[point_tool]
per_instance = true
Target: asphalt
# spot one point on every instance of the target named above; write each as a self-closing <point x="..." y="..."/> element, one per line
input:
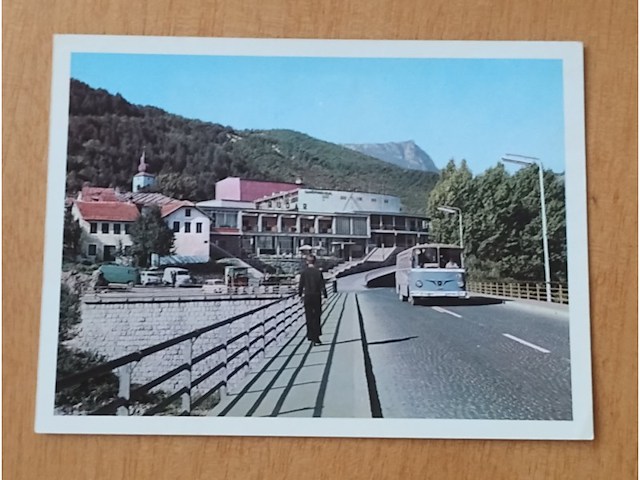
<point x="475" y="359"/>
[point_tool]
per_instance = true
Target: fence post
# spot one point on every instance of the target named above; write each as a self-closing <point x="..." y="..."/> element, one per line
<point x="519" y="294"/>
<point x="511" y="290"/>
<point x="188" y="360"/>
<point x="124" y="387"/>
<point x="225" y="366"/>
<point x="538" y="291"/>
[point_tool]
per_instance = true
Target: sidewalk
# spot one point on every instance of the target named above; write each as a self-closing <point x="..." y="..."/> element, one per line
<point x="299" y="380"/>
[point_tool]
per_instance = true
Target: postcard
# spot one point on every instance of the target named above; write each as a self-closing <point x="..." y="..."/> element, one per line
<point x="329" y="238"/>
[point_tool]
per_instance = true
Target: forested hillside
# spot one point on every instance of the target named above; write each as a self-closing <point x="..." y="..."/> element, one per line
<point x="107" y="135"/>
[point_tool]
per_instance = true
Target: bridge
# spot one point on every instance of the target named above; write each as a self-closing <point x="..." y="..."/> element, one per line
<point x="483" y="358"/>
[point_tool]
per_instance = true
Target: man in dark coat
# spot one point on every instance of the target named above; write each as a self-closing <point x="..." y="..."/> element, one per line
<point x="311" y="288"/>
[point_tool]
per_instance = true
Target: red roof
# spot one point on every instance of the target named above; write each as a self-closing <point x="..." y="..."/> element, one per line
<point x="169" y="208"/>
<point x="108" y="211"/>
<point x="251" y="190"/>
<point x="98" y="194"/>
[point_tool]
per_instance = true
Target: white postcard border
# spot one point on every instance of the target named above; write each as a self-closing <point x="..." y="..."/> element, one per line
<point x="571" y="53"/>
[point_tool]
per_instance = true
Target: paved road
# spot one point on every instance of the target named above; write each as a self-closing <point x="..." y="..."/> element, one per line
<point x="476" y="359"/>
<point x="467" y="360"/>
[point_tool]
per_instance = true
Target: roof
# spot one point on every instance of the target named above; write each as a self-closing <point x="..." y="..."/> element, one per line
<point x="108" y="211"/>
<point x="169" y="208"/>
<point x="98" y="194"/>
<point x="141" y="198"/>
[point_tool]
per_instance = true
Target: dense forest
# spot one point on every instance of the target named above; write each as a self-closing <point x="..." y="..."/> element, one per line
<point x="107" y="135"/>
<point x="502" y="227"/>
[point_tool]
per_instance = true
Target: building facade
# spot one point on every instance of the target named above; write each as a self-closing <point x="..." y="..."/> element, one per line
<point x="106" y="217"/>
<point x="328" y="222"/>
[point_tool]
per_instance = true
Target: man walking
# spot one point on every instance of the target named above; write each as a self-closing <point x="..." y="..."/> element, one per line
<point x="311" y="288"/>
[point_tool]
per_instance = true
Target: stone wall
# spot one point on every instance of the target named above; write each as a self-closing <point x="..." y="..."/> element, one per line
<point x="117" y="328"/>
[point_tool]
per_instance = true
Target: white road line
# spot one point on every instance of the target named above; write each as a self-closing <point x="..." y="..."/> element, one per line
<point x="442" y="310"/>
<point x="524" y="342"/>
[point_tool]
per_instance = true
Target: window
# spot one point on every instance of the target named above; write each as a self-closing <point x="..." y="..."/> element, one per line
<point x="198" y="227"/>
<point x="359" y="198"/>
<point x="187" y="227"/>
<point x="386" y="201"/>
<point x="359" y="226"/>
<point x="304" y="206"/>
<point x="343" y="197"/>
<point x="127" y="228"/>
<point x="92" y="249"/>
<point x="176" y="227"/>
<point x="374" y="199"/>
<point x="94" y="227"/>
<point x="105" y="228"/>
<point x="187" y="212"/>
<point x="116" y="228"/>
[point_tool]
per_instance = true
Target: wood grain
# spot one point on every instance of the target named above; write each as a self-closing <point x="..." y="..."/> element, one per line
<point x="608" y="30"/>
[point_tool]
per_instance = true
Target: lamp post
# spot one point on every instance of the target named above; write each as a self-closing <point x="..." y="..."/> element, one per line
<point x="447" y="209"/>
<point x="526" y="161"/>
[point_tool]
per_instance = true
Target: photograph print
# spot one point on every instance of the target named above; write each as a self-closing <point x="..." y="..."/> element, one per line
<point x="316" y="238"/>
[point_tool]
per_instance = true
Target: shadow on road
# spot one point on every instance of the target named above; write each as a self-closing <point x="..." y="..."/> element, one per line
<point x="458" y="302"/>
<point x="394" y="340"/>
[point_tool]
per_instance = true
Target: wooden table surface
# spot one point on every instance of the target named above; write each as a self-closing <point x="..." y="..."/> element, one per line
<point x="609" y="32"/>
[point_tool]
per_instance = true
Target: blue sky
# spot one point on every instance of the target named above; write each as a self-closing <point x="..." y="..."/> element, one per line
<point x="476" y="109"/>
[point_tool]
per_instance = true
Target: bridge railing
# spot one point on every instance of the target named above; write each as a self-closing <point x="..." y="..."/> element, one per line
<point x="261" y="327"/>
<point x="523" y="290"/>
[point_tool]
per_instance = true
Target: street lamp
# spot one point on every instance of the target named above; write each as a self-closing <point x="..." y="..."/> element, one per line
<point x="448" y="209"/>
<point x="526" y="161"/>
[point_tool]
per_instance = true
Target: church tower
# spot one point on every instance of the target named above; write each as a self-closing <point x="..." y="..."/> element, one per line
<point x="142" y="179"/>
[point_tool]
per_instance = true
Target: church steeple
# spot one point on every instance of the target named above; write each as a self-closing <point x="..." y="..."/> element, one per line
<point x="142" y="179"/>
<point x="142" y="167"/>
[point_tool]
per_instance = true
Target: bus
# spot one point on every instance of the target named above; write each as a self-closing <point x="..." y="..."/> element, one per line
<point x="430" y="270"/>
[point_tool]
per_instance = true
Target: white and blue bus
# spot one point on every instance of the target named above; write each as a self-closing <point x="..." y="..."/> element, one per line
<point x="430" y="271"/>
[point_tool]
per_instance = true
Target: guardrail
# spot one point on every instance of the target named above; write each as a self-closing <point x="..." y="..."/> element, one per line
<point x="526" y="291"/>
<point x="274" y="326"/>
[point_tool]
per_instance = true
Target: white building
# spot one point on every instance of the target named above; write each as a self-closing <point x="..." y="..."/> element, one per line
<point x="106" y="216"/>
<point x="191" y="230"/>
<point x="330" y="201"/>
<point x="105" y="228"/>
<point x="340" y="223"/>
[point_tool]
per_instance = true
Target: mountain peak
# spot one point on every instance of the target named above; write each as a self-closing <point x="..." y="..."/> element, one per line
<point x="406" y="154"/>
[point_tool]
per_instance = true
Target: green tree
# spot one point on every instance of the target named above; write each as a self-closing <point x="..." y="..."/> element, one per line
<point x="453" y="189"/>
<point x="72" y="234"/>
<point x="150" y="234"/>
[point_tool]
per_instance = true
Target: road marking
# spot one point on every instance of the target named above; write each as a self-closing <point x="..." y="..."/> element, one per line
<point x="442" y="310"/>
<point x="524" y="342"/>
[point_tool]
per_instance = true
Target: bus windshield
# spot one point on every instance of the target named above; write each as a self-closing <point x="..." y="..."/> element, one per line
<point x="450" y="258"/>
<point x="425" y="258"/>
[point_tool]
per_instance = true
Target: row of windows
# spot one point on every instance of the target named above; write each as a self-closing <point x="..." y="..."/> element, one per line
<point x="344" y="197"/>
<point x="104" y="228"/>
<point x="187" y="227"/>
<point x="117" y="227"/>
<point x="109" y="250"/>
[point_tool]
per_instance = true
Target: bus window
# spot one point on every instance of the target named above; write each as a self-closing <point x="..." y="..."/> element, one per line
<point x="450" y="258"/>
<point x="427" y="258"/>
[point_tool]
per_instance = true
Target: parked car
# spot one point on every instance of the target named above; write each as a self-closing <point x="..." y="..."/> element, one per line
<point x="151" y="277"/>
<point x="179" y="277"/>
<point x="214" y="286"/>
<point x="112" y="273"/>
